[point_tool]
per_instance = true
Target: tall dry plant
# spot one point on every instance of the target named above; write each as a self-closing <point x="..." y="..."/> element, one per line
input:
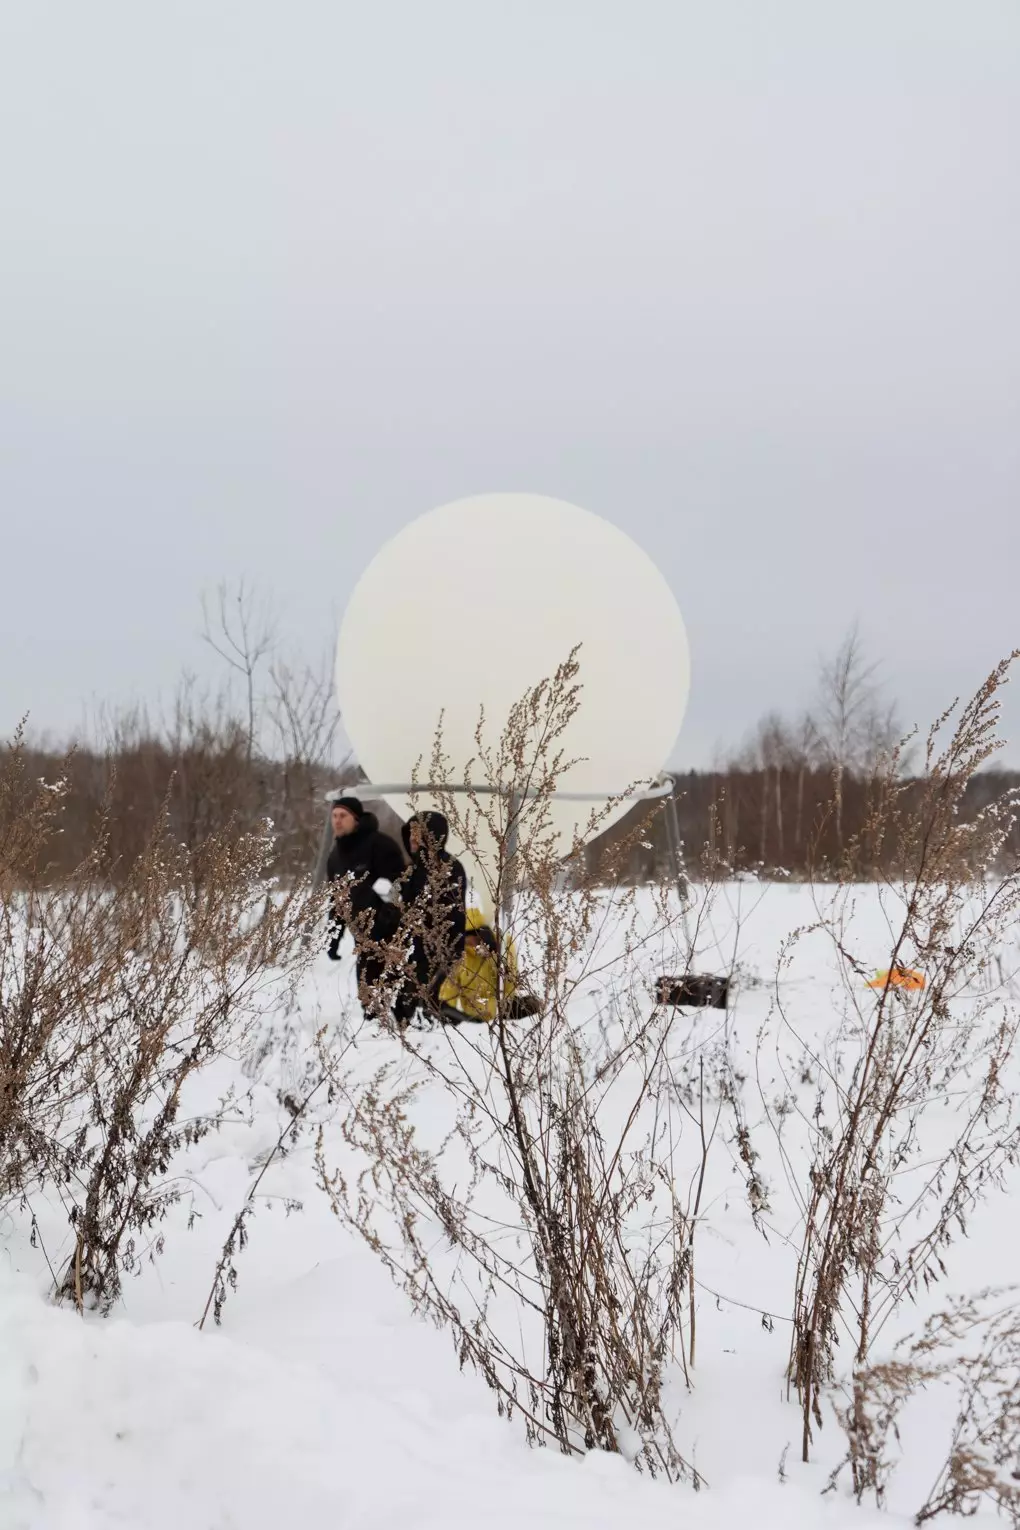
<point x="542" y="1223"/>
<point x="119" y="983"/>
<point x="242" y="635"/>
<point x="972" y="1348"/>
<point x="878" y="1209"/>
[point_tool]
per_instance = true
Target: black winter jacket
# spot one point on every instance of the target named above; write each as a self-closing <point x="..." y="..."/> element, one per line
<point x="366" y="856"/>
<point x="433" y="893"/>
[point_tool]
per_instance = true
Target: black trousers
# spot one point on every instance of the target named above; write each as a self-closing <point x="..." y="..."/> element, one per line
<point x="376" y="977"/>
<point x="421" y="985"/>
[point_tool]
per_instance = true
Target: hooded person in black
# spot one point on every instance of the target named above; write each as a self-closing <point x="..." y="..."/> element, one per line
<point x="361" y="856"/>
<point x="433" y="897"/>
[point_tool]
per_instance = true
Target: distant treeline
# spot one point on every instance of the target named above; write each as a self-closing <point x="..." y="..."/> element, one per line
<point x="801" y="796"/>
<point x="779" y="821"/>
<point x="794" y="822"/>
<point x="205" y="782"/>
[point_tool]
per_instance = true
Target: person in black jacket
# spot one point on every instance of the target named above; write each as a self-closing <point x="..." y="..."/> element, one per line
<point x="361" y="856"/>
<point x="433" y="898"/>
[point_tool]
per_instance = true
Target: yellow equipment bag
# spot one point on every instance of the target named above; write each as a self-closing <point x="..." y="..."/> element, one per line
<point x="471" y="987"/>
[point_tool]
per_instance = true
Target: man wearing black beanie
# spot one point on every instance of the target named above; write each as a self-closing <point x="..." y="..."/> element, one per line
<point x="361" y="856"/>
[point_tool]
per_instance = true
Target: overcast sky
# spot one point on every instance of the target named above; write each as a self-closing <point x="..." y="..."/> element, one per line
<point x="742" y="277"/>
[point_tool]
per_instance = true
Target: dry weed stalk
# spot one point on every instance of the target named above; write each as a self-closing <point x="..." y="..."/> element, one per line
<point x="877" y="1217"/>
<point x="974" y="1348"/>
<point x="541" y="1225"/>
<point x="225" y="1275"/>
<point x="118" y="985"/>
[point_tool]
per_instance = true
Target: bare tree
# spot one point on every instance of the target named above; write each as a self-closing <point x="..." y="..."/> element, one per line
<point x="244" y="633"/>
<point x="847" y="734"/>
<point x="302" y="711"/>
<point x="781" y="753"/>
<point x="855" y="728"/>
<point x="805" y="745"/>
<point x="303" y="736"/>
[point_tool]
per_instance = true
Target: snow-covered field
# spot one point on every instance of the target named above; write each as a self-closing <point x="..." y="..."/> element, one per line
<point x="321" y="1401"/>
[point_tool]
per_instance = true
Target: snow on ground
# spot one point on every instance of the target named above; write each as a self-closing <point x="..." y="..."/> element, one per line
<point x="321" y="1401"/>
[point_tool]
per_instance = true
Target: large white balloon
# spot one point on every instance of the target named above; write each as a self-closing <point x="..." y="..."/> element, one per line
<point x="473" y="604"/>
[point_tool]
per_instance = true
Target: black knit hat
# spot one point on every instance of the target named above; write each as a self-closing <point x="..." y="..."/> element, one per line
<point x="352" y="804"/>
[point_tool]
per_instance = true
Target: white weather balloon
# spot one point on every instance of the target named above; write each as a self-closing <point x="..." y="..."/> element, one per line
<point x="478" y="601"/>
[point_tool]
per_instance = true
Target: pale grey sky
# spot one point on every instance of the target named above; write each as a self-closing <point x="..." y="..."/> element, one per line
<point x="742" y="277"/>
